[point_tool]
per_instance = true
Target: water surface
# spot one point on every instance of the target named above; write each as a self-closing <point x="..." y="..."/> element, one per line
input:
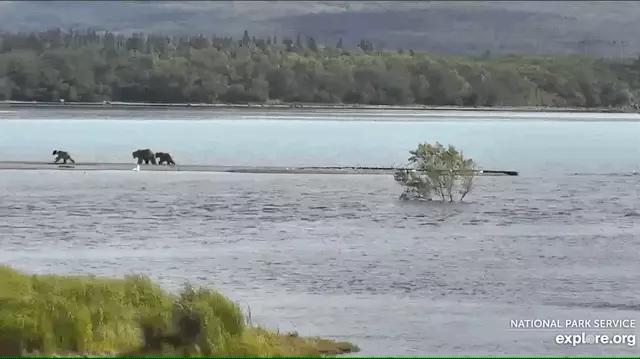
<point x="340" y="256"/>
<point x="547" y="143"/>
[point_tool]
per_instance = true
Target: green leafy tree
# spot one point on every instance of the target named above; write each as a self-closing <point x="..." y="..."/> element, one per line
<point x="435" y="170"/>
<point x="246" y="40"/>
<point x="311" y="44"/>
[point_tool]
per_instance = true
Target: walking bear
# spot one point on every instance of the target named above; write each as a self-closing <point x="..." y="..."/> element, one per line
<point x="145" y="156"/>
<point x="164" y="157"/>
<point x="62" y="155"/>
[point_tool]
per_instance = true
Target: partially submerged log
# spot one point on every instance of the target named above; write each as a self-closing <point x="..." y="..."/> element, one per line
<point x="356" y="168"/>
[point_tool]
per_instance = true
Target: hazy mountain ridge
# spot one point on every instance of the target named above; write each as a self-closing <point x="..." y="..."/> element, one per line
<point x="597" y="28"/>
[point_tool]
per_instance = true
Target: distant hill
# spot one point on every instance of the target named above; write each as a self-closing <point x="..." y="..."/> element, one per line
<point x="597" y="28"/>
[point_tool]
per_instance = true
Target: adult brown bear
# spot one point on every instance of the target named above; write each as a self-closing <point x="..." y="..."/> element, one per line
<point x="164" y="157"/>
<point x="145" y="155"/>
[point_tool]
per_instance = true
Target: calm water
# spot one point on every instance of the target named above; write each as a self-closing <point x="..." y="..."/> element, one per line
<point x="301" y="138"/>
<point x="337" y="255"/>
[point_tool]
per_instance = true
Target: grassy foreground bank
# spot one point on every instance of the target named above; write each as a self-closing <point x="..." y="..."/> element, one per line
<point x="86" y="315"/>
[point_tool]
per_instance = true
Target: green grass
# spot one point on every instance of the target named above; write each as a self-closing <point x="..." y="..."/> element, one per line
<point x="87" y="315"/>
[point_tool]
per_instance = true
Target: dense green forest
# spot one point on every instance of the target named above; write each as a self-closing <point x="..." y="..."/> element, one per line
<point x="91" y="66"/>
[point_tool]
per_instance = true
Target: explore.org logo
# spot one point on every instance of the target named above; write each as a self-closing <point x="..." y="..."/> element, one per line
<point x="585" y="336"/>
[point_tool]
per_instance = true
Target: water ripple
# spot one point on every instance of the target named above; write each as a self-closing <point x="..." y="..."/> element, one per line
<point x="522" y="242"/>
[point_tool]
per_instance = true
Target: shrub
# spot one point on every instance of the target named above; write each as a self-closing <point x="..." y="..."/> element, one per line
<point x="436" y="170"/>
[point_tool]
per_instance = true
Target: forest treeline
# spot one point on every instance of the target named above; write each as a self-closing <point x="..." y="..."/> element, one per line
<point x="100" y="66"/>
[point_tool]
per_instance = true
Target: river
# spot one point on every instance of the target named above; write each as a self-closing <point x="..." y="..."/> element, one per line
<point x="339" y="255"/>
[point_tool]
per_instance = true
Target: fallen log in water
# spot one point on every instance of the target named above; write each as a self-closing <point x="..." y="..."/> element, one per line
<point x="355" y="168"/>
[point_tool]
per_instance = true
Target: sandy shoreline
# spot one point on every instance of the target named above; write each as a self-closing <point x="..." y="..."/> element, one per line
<point x="183" y="106"/>
<point x="93" y="166"/>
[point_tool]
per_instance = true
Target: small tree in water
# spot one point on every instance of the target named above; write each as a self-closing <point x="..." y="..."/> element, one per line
<point x="436" y="170"/>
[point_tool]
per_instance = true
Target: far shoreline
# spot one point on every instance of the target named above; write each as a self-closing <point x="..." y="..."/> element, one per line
<point x="297" y="106"/>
